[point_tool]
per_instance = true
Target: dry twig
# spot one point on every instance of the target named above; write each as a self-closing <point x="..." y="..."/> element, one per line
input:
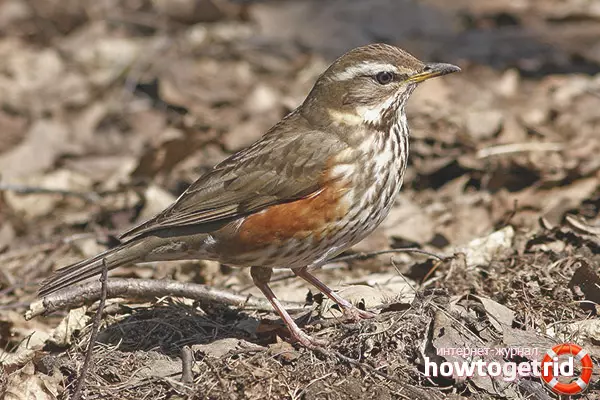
<point x="518" y="148"/>
<point x="94" y="332"/>
<point x="147" y="289"/>
<point x="22" y="189"/>
<point x="186" y="365"/>
<point x="364" y="256"/>
<point x="581" y="225"/>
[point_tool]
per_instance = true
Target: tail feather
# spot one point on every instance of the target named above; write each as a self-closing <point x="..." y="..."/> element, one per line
<point x="85" y="269"/>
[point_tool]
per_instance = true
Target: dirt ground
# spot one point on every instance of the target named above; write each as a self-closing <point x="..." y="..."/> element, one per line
<point x="109" y="109"/>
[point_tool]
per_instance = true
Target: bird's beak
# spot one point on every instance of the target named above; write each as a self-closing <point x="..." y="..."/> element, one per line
<point x="432" y="70"/>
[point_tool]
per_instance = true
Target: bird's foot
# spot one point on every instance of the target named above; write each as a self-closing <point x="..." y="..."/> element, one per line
<point x="306" y="340"/>
<point x="355" y="314"/>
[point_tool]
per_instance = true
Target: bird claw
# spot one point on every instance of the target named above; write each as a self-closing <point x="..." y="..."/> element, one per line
<point x="307" y="340"/>
<point x="356" y="314"/>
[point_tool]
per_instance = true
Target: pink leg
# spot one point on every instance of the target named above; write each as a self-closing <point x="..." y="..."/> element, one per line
<point x="349" y="310"/>
<point x="261" y="277"/>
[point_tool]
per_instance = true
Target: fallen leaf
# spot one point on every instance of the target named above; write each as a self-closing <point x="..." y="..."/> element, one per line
<point x="13" y="128"/>
<point x="284" y="350"/>
<point x="26" y="350"/>
<point x="450" y="334"/>
<point x="74" y="321"/>
<point x="26" y="384"/>
<point x="7" y="234"/>
<point x="44" y="142"/>
<point x="500" y="316"/>
<point x="586" y="333"/>
<point x="366" y="297"/>
<point x="482" y="251"/>
<point x="156" y="200"/>
<point x="220" y="348"/>
<point x="33" y="205"/>
<point x="409" y="221"/>
<point x="587" y="280"/>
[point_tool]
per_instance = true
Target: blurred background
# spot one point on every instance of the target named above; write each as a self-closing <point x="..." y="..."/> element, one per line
<point x="109" y="109"/>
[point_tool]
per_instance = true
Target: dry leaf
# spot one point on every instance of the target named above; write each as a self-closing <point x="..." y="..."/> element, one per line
<point x="482" y="251"/>
<point x="448" y="334"/>
<point x="74" y="321"/>
<point x="34" y="205"/>
<point x="26" y="384"/>
<point x="220" y="348"/>
<point x="44" y="142"/>
<point x="587" y="280"/>
<point x="360" y="295"/>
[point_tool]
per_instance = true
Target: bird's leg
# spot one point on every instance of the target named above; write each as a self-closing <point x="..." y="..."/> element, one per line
<point x="348" y="309"/>
<point x="261" y="277"/>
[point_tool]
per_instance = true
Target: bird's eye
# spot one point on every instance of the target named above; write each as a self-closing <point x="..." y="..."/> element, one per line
<point x="384" y="77"/>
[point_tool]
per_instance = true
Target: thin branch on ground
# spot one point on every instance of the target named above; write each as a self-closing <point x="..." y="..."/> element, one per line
<point x="583" y="226"/>
<point x="518" y="148"/>
<point x="410" y="285"/>
<point x="22" y="189"/>
<point x="77" y="296"/>
<point x="364" y="256"/>
<point x="93" y="333"/>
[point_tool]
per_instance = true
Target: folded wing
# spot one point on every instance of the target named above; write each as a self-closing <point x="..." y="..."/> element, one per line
<point x="283" y="166"/>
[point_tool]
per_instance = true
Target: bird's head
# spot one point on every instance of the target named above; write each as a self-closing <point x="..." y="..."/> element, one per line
<point x="368" y="86"/>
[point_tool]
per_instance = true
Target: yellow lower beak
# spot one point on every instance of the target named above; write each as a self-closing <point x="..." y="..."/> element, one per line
<point x="432" y="70"/>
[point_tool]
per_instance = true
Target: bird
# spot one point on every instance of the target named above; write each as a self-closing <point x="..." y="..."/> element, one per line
<point x="315" y="184"/>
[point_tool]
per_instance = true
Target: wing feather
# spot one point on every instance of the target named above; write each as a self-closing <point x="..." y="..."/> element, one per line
<point x="286" y="164"/>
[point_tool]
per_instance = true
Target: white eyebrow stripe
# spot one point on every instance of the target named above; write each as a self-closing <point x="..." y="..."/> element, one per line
<point x="365" y="68"/>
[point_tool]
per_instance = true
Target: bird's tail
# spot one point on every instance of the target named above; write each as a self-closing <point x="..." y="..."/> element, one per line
<point x="115" y="257"/>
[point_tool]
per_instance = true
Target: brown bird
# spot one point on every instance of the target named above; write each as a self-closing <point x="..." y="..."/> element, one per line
<point x="315" y="184"/>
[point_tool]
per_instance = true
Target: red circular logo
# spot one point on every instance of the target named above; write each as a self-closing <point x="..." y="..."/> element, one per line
<point x="576" y="386"/>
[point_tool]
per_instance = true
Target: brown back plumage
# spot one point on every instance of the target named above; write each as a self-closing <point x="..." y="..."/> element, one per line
<point x="285" y="165"/>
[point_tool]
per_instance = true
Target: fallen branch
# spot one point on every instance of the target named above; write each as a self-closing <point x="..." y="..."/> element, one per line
<point x="77" y="296"/>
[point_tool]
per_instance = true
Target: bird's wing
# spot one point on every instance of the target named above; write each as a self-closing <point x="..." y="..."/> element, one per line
<point x="287" y="164"/>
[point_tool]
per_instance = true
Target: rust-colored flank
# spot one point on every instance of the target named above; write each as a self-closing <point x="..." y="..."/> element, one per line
<point x="299" y="219"/>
